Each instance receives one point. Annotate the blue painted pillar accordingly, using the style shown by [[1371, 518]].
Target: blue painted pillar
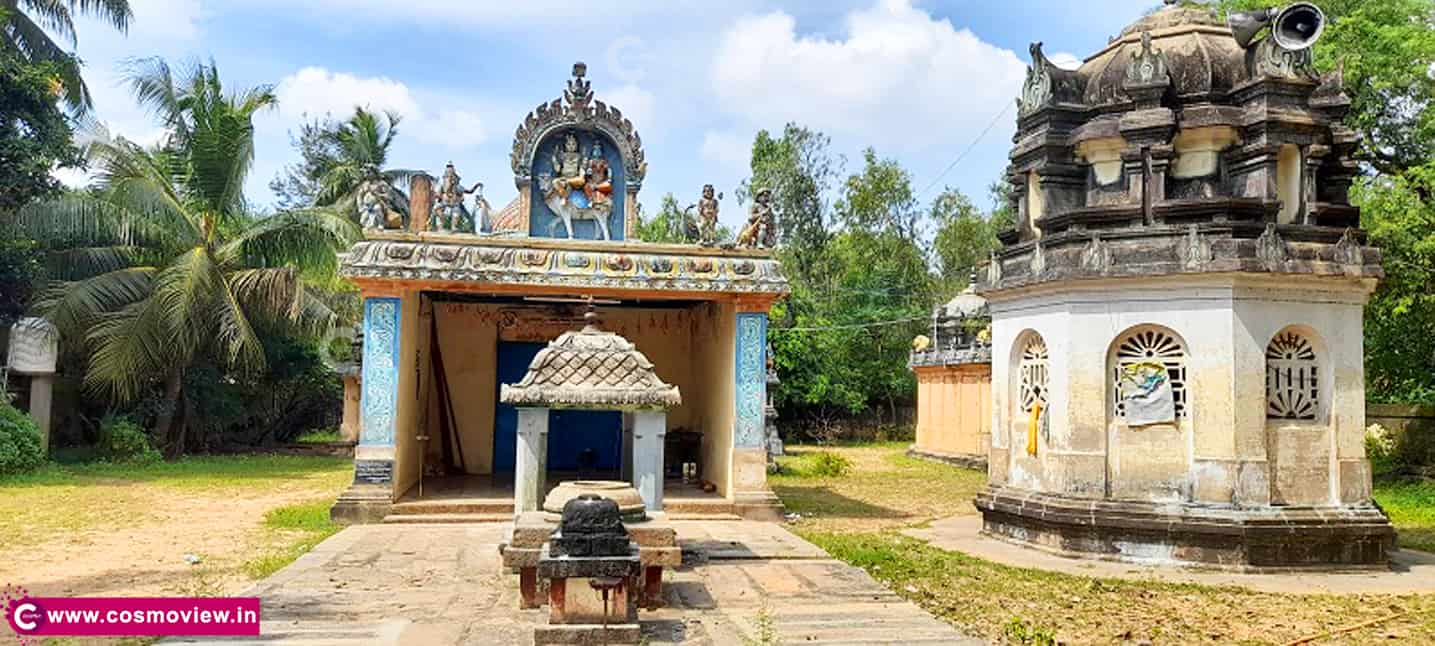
[[751, 344], [378, 404], [749, 491]]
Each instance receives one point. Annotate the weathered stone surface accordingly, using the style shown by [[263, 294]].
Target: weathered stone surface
[[1230, 538], [593, 369]]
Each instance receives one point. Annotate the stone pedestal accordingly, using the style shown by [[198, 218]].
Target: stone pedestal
[[531, 464], [650, 429], [41, 392], [593, 570], [657, 548]]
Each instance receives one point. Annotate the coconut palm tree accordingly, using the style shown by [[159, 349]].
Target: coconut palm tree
[[26, 26], [361, 145], [163, 261]]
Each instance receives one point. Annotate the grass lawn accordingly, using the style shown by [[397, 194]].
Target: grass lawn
[[101, 528], [855, 517]]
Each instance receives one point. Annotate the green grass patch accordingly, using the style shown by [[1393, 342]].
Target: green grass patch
[[1411, 506], [198, 471], [320, 436], [1028, 606], [309, 525]]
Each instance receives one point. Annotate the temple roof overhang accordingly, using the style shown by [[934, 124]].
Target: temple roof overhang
[[449, 262], [591, 369]]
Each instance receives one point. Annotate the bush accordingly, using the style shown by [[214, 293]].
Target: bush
[[20, 449], [122, 440], [826, 464]]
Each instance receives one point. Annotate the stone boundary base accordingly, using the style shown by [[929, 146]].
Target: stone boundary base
[[977, 462], [1410, 571], [1246, 540]]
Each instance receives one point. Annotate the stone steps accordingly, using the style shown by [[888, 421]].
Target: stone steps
[[449, 518], [430, 507]]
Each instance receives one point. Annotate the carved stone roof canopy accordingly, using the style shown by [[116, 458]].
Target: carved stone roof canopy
[[591, 369], [577, 109]]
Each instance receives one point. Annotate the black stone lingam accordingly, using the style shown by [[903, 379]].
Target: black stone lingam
[[592, 569], [591, 526]]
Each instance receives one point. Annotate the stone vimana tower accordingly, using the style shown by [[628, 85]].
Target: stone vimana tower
[[1177, 363]]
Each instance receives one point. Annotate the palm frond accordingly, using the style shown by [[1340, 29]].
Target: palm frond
[[152, 82], [129, 351], [75, 263], [88, 220], [115, 12], [234, 335], [22, 34], [185, 293], [74, 306], [307, 239], [53, 16]]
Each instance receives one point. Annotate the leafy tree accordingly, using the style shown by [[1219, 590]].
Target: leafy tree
[[799, 169], [26, 26], [667, 226], [164, 263], [965, 237], [19, 272], [336, 157], [880, 198], [35, 136], [1387, 50]]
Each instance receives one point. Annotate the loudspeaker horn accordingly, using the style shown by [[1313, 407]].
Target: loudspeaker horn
[[1298, 26], [1293, 28]]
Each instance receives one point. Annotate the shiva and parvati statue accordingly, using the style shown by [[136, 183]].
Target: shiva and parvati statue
[[449, 213], [581, 186], [702, 229], [760, 232], [377, 202]]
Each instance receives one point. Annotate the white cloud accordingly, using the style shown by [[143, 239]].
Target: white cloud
[[318, 92], [729, 151], [1065, 60], [636, 104], [898, 77], [166, 19]]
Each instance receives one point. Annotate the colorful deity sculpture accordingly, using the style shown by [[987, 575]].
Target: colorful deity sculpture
[[589, 180], [703, 228], [760, 231], [449, 214], [375, 203]]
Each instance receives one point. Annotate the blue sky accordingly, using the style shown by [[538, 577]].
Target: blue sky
[[919, 81]]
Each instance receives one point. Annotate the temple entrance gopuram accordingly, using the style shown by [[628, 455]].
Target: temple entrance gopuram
[[458, 301]]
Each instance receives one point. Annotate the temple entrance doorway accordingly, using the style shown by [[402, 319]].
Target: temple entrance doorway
[[582, 445]]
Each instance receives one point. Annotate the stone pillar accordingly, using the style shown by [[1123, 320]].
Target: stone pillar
[[349, 428], [531, 464], [41, 390], [369, 498], [750, 494], [626, 453], [420, 202], [650, 429]]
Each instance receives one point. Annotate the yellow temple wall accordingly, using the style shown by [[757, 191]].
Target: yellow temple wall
[[954, 410], [411, 339], [468, 338], [714, 364]]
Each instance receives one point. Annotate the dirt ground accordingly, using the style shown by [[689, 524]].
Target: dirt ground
[[115, 536]]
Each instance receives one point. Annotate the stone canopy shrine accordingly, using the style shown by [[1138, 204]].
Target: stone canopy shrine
[[460, 300], [1177, 361]]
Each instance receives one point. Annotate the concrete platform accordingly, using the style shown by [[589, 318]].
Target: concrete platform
[[1411, 572], [444, 584]]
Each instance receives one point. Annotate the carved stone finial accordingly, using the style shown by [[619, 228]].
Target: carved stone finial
[[1096, 257], [1195, 251], [1148, 65], [1271, 248], [1037, 91], [1348, 251], [994, 269], [1273, 61]]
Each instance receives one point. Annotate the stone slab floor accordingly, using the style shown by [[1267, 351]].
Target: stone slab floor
[[442, 584]]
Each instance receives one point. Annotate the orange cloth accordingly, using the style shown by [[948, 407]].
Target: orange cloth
[[1033, 424]]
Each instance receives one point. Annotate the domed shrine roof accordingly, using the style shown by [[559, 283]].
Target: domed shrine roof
[[593, 369], [1201, 55], [1180, 147]]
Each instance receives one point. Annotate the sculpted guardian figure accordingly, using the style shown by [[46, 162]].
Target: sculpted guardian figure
[[375, 203], [703, 229], [760, 231], [449, 214]]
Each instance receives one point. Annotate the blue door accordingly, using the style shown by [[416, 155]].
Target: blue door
[[578, 440]]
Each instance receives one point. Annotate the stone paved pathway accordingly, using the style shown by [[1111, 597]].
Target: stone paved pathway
[[442, 584]]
